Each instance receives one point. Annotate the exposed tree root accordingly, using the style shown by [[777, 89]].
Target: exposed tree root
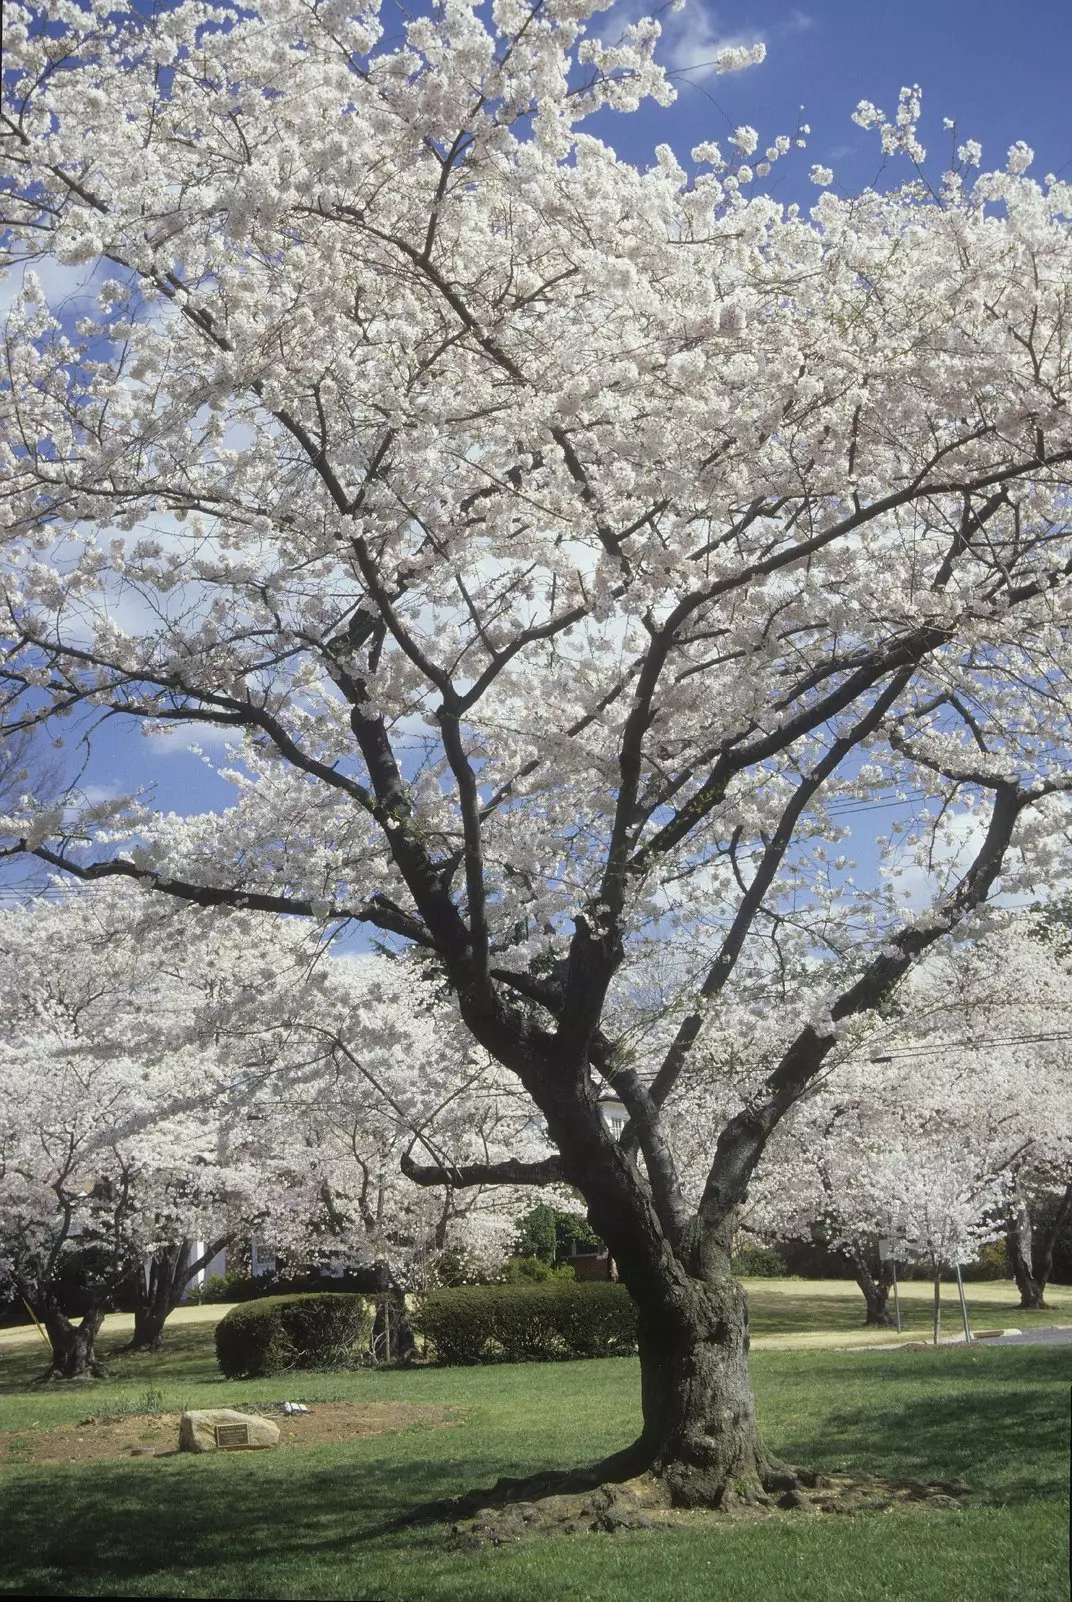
[[582, 1501]]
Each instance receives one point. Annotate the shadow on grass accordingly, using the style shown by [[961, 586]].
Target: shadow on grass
[[1002, 1426], [188, 1355], [186, 1517]]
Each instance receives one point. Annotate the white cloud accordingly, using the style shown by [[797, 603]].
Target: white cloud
[[64, 288], [184, 739], [695, 37]]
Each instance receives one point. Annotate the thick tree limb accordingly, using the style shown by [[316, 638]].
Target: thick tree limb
[[742, 1141], [510, 1172]]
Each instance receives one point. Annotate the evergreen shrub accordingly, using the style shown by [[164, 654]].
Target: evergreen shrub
[[759, 1262], [276, 1333], [536, 1323]]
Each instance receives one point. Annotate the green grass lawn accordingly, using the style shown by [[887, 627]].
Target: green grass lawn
[[322, 1523]]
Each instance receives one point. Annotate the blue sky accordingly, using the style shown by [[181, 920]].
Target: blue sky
[[1000, 70]]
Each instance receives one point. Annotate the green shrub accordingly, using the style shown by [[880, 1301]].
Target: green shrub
[[535, 1271], [321, 1330], [600, 1321], [759, 1262], [458, 1322], [488, 1323], [992, 1262], [233, 1286]]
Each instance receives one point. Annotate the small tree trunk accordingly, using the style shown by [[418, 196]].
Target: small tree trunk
[[1019, 1237], [393, 1340], [1031, 1249], [158, 1292], [876, 1288], [937, 1305], [73, 1354], [149, 1321]]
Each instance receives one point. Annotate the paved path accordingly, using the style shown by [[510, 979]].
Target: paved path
[[1056, 1335]]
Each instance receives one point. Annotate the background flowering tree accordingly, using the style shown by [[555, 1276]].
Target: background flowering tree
[[174, 1078], [567, 544], [949, 1125], [394, 1073], [115, 1078]]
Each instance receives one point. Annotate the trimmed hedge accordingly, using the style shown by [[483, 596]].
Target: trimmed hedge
[[322, 1329], [535, 1323]]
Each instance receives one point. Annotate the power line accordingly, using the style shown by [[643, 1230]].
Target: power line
[[977, 1044]]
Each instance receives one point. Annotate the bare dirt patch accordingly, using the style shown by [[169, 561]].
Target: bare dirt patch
[[96, 1440]]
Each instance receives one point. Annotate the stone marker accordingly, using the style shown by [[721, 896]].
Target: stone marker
[[214, 1429]]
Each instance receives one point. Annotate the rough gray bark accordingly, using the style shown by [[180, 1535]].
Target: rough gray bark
[[699, 1424]]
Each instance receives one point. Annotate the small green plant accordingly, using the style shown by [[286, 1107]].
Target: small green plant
[[535, 1271], [150, 1400]]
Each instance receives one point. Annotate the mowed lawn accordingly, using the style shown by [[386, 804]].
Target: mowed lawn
[[325, 1522]]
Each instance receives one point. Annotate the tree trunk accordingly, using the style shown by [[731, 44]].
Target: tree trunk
[[158, 1292], [73, 1354], [393, 1340], [1031, 1249], [156, 1295], [876, 1289], [700, 1435], [1019, 1237]]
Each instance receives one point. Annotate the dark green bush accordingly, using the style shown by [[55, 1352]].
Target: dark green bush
[[489, 1323], [458, 1321], [759, 1262], [600, 1321], [277, 1333]]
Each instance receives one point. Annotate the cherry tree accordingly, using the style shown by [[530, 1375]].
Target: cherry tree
[[993, 1027], [116, 1090], [174, 1077], [947, 1125], [883, 1163], [567, 547]]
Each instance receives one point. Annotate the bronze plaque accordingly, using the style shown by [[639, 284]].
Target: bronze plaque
[[232, 1434]]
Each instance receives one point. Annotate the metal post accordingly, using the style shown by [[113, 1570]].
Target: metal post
[[887, 1253], [37, 1321], [963, 1304]]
